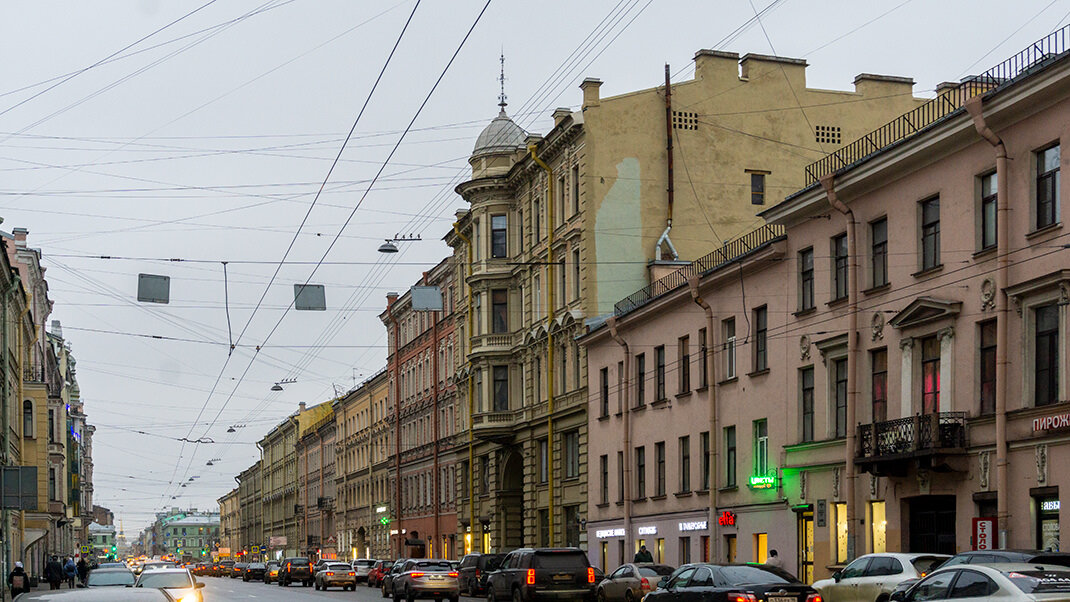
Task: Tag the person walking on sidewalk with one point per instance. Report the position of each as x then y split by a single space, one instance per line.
18 580
83 570
54 572
70 572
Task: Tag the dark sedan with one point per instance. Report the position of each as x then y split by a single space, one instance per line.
254 570
731 583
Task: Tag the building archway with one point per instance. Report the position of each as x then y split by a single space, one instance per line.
509 508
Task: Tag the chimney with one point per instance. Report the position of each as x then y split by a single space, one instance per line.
301 406
57 329
716 64
391 297
20 235
560 113
590 88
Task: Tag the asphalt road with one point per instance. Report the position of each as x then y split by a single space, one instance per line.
218 589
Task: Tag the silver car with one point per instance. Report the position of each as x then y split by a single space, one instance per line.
335 574
179 583
873 577
630 582
1009 582
363 566
426 578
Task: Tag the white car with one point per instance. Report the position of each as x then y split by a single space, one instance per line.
1004 582
179 583
871 578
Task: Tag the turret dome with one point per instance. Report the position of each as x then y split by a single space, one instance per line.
501 135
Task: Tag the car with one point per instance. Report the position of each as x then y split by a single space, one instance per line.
1003 556
237 570
296 569
1009 581
225 568
180 583
151 566
386 587
630 582
742 582
111 565
531 574
375 576
110 577
271 572
254 570
873 577
119 594
426 578
473 570
362 566
339 574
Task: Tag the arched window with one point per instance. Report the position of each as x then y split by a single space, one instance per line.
27 419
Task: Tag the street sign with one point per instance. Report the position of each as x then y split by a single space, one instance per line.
984 530
821 513
255 550
85 550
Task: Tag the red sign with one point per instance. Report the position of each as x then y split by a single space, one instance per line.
984 533
1056 421
727 519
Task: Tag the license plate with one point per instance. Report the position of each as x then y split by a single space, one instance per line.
781 599
565 577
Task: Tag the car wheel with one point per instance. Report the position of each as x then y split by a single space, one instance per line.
628 597
455 598
382 590
601 595
490 594
409 597
882 598
517 596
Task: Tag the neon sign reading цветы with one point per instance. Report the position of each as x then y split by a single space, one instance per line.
762 482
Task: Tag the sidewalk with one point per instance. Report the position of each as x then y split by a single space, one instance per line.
40 587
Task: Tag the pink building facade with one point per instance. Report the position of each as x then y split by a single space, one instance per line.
889 375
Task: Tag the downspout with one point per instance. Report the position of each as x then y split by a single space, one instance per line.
434 426
22 373
397 426
711 392
669 190
974 108
549 334
471 396
627 486
852 358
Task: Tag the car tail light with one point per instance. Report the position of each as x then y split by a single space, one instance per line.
531 577
644 583
414 575
741 597
477 574
453 574
354 575
330 574
590 574
814 598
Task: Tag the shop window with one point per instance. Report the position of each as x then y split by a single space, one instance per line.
878 527
1047 512
760 548
841 531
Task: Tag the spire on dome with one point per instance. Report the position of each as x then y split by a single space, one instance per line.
501 80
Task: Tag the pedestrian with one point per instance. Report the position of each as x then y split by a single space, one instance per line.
18 580
643 555
70 572
53 572
83 570
774 560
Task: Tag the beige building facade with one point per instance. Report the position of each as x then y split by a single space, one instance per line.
360 534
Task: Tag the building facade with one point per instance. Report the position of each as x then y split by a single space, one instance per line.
230 524
316 481
278 474
250 515
357 520
102 540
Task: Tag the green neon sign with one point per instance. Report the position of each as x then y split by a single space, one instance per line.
384 520
762 482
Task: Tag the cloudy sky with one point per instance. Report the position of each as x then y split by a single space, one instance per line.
146 130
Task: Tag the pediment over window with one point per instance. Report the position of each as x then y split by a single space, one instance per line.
924 310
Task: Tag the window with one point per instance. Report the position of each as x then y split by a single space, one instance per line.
972 584
989 190
501 388
544 530
1047 187
575 189
839 394
572 454
536 221
499 240
572 526
878 252
479 390
603 409
537 377
603 482
685 554
930 375
728 328
562 283
499 310
27 419
730 456
806 393
562 191
685 464
684 355
640 379
544 461
475 240
1046 355
757 188
761 352
620 478
930 234
640 472
761 447
704 466
477 310
51 426
878 362
988 367
659 373
703 355
839 267
620 387
536 296
659 466
575 274
806 279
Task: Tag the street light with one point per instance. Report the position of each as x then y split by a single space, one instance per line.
286 381
390 247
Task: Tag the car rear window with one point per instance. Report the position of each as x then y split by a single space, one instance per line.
655 571
1039 582
492 563
927 564
111 578
165 580
364 562
299 561
339 567
740 575
433 566
560 560
257 565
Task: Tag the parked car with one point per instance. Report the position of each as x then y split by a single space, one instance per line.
743 582
237 570
109 578
119 594
387 582
226 567
363 566
338 574
873 577
1009 582
375 576
473 570
177 582
426 578
297 569
271 572
254 570
530 574
630 582
997 557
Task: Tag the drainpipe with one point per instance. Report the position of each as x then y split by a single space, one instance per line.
549 334
471 397
668 153
612 324
397 424
852 358
711 391
974 108
434 422
21 374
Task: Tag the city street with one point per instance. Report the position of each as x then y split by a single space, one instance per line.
217 589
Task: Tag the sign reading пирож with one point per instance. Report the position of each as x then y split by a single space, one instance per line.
1055 421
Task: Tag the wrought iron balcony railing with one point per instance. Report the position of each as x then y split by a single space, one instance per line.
908 436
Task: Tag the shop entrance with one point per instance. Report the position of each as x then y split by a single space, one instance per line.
804 519
1047 514
932 524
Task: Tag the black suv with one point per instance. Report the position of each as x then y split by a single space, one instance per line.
532 574
295 570
387 586
473 570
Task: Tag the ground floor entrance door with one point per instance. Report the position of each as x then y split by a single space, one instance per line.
805 537
932 524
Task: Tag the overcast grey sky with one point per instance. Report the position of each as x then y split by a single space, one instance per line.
209 139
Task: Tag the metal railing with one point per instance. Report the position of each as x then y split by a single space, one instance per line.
1041 53
943 430
729 251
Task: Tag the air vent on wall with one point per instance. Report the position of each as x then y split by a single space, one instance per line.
684 121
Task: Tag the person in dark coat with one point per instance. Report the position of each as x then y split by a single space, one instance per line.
83 570
53 573
70 572
643 555
18 581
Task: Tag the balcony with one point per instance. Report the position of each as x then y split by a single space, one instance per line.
494 426
934 442
492 343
